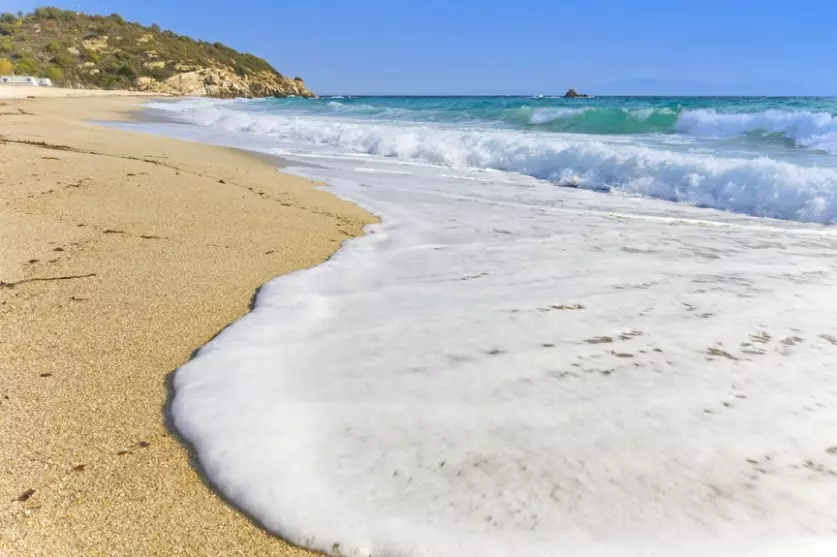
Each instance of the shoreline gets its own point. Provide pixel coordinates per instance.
(503, 302)
(151, 246)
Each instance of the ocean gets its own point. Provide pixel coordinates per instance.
(582, 327)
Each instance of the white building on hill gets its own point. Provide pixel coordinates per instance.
(25, 80)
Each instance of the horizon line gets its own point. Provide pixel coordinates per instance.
(590, 95)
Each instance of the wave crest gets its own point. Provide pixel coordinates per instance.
(813, 130)
(603, 120)
(816, 130)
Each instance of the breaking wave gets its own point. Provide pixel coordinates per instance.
(756, 186)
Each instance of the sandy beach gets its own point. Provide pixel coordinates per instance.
(121, 254)
(27, 91)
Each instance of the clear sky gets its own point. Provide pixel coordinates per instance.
(520, 46)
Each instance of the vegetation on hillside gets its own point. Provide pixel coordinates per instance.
(106, 52)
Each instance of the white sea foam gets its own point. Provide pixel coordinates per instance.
(506, 368)
(546, 115)
(755, 186)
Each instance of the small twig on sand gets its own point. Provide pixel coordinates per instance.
(43, 279)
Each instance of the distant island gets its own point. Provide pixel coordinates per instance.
(573, 94)
(106, 52)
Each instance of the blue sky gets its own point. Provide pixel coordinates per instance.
(522, 46)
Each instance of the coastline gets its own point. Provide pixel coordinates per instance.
(166, 241)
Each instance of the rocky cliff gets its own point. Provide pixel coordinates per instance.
(223, 82)
(107, 52)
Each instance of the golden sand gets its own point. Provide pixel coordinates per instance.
(24, 91)
(168, 241)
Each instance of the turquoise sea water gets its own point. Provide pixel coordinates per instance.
(772, 157)
(596, 115)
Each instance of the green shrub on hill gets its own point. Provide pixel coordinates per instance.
(53, 47)
(63, 60)
(29, 66)
(55, 74)
(89, 55)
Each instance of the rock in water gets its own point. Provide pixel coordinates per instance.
(573, 94)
